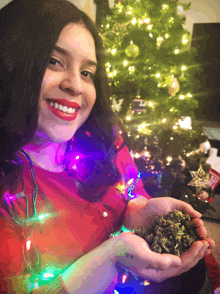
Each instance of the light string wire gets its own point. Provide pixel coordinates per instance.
(28, 224)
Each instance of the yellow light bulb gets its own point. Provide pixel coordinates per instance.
(183, 67)
(167, 36)
(169, 158)
(128, 118)
(182, 97)
(125, 63)
(157, 75)
(176, 51)
(134, 21)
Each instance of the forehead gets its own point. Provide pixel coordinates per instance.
(76, 39)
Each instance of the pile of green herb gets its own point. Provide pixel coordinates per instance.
(173, 233)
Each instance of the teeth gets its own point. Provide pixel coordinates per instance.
(62, 108)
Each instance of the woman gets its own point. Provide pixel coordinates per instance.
(62, 160)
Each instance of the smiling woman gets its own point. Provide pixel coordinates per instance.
(68, 91)
(63, 163)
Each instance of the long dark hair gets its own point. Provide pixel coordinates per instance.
(28, 33)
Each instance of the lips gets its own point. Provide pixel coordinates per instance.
(63, 109)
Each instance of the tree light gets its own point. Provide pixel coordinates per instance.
(150, 104)
(176, 51)
(164, 120)
(146, 20)
(165, 6)
(185, 39)
(189, 95)
(146, 283)
(169, 158)
(149, 27)
(183, 67)
(131, 69)
(114, 51)
(157, 75)
(134, 21)
(185, 123)
(143, 125)
(181, 97)
(128, 118)
(125, 63)
(167, 36)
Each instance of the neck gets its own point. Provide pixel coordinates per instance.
(48, 156)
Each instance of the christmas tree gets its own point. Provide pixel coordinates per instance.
(151, 72)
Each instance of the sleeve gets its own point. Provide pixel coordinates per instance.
(128, 169)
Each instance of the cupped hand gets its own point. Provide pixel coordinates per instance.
(134, 254)
(188, 260)
(142, 211)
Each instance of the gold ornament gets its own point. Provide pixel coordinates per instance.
(200, 179)
(132, 50)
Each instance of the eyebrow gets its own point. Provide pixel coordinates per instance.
(64, 52)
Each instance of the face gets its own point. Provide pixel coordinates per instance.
(67, 91)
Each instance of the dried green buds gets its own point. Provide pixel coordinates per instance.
(173, 233)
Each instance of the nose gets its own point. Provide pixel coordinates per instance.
(72, 84)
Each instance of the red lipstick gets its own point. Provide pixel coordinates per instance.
(64, 115)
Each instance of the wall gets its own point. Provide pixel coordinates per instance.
(201, 11)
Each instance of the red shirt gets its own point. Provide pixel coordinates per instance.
(74, 227)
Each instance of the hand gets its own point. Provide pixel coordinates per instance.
(141, 212)
(135, 255)
(188, 260)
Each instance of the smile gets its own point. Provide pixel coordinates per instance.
(63, 109)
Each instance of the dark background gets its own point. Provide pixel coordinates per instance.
(206, 43)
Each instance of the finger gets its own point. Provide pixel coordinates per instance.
(202, 232)
(207, 252)
(193, 255)
(197, 222)
(211, 243)
(187, 208)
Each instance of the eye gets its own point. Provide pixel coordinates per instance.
(53, 62)
(89, 74)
